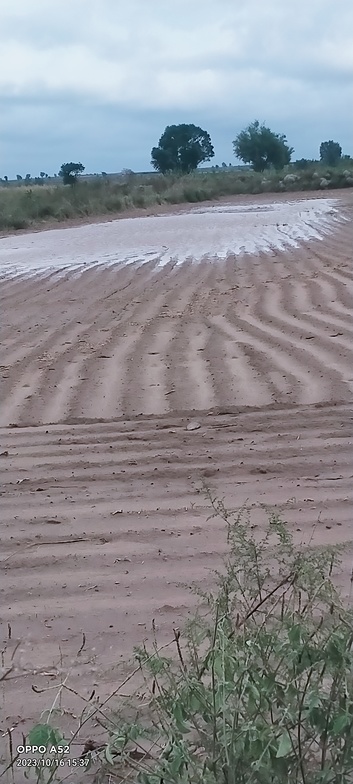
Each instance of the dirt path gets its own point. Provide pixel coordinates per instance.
(103, 526)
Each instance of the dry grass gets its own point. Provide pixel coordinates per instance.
(23, 206)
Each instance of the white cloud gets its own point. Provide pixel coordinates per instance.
(273, 60)
(146, 55)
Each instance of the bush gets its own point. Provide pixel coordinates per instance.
(303, 163)
(114, 204)
(17, 223)
(192, 194)
(45, 210)
(64, 211)
(263, 689)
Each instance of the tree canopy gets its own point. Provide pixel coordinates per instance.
(69, 172)
(261, 147)
(182, 148)
(330, 152)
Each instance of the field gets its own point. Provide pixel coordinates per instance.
(128, 386)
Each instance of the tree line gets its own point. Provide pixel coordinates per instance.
(182, 148)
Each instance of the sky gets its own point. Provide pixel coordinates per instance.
(97, 81)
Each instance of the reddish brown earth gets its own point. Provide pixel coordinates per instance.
(102, 525)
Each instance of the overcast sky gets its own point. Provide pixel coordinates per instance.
(98, 80)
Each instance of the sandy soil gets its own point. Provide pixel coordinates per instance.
(102, 525)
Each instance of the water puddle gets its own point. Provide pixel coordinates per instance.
(216, 232)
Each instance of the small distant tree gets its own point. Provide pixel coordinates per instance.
(224, 165)
(128, 175)
(18, 177)
(181, 148)
(261, 147)
(70, 171)
(6, 178)
(302, 163)
(330, 153)
(104, 174)
(27, 178)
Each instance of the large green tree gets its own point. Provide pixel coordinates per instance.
(330, 153)
(69, 172)
(182, 148)
(261, 147)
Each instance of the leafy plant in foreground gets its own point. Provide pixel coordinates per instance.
(263, 689)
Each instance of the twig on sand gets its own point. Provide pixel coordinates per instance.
(38, 544)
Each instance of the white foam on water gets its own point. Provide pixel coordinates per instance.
(217, 231)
